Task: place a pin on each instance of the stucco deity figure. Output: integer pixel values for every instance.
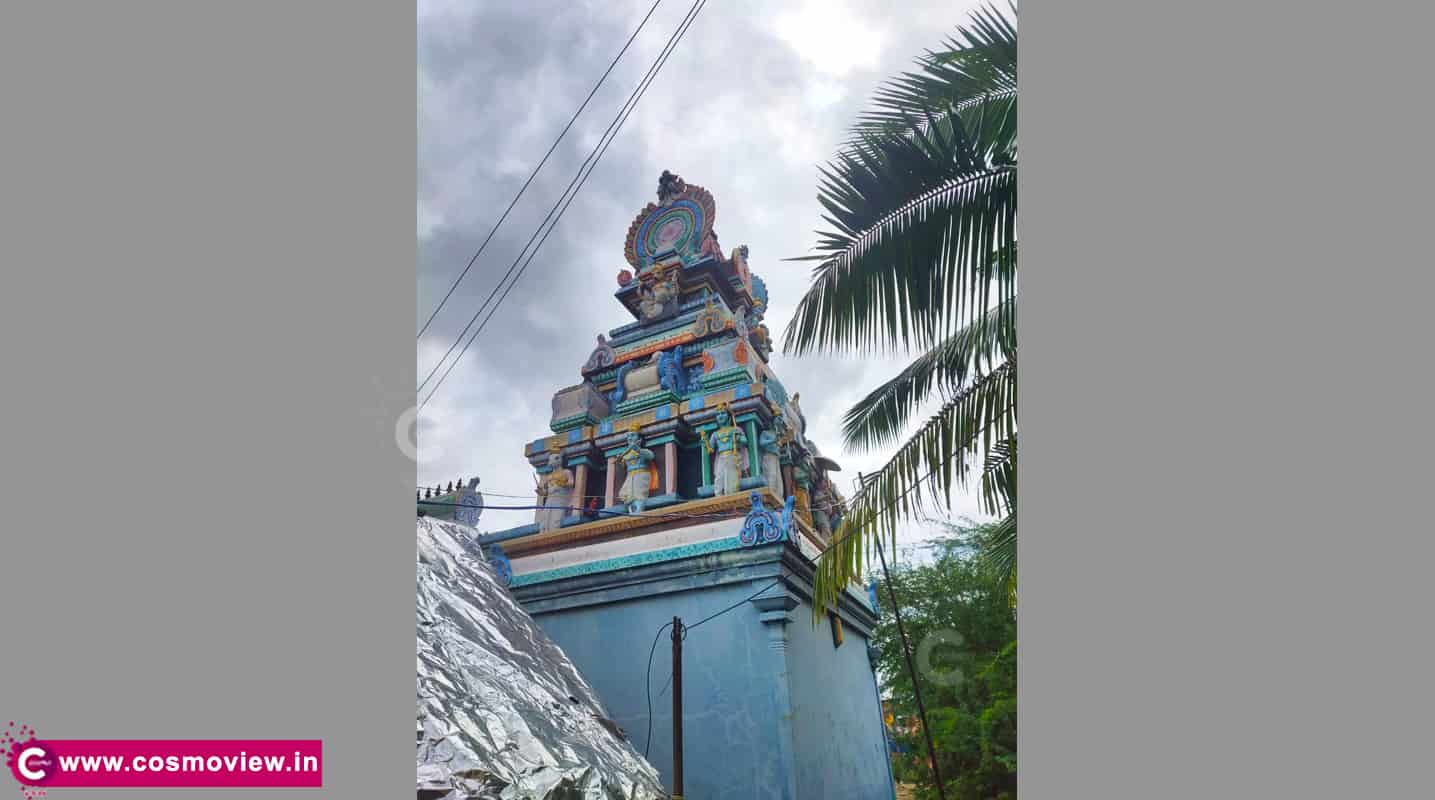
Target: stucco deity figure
(770, 444)
(602, 356)
(739, 263)
(726, 442)
(638, 484)
(802, 420)
(669, 187)
(821, 501)
(672, 375)
(656, 296)
(802, 490)
(555, 493)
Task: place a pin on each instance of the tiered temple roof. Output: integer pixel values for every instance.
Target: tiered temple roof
(694, 361)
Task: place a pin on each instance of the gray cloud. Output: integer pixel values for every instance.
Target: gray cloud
(752, 101)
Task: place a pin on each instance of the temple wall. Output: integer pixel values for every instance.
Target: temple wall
(836, 710)
(771, 708)
(729, 706)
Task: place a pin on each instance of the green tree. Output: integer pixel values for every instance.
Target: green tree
(963, 630)
(920, 258)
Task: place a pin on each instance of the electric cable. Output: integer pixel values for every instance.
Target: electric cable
(594, 158)
(534, 174)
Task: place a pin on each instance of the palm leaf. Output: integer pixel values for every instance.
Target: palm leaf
(919, 252)
(923, 230)
(925, 469)
(878, 418)
(998, 551)
(978, 65)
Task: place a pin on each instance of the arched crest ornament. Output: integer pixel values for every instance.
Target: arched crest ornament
(680, 222)
(470, 504)
(762, 526)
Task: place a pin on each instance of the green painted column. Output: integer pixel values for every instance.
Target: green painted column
(753, 456)
(706, 456)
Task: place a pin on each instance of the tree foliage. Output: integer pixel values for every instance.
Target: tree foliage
(967, 672)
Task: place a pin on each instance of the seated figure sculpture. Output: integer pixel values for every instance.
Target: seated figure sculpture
(555, 493)
(724, 442)
(637, 461)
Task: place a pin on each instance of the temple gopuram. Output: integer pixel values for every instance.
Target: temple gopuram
(677, 480)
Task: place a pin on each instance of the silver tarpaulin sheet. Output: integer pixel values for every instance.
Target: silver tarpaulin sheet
(502, 713)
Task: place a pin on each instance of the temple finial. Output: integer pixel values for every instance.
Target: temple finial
(669, 186)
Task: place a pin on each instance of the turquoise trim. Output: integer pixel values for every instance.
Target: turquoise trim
(645, 402)
(625, 562)
(569, 423)
(726, 378)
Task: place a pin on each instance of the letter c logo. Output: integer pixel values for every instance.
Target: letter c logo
(22, 763)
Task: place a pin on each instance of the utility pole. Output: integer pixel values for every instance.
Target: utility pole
(911, 670)
(678, 708)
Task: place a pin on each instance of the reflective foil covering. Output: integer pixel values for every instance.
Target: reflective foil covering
(502, 713)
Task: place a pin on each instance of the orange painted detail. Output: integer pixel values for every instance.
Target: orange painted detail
(707, 362)
(739, 353)
(666, 344)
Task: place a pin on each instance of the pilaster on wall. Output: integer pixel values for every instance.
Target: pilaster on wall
(775, 613)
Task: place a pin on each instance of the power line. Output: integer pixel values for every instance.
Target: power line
(534, 174)
(593, 157)
(579, 179)
(654, 649)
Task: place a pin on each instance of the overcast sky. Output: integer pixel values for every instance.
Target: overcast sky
(754, 99)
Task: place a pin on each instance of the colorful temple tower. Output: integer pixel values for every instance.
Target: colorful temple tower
(678, 481)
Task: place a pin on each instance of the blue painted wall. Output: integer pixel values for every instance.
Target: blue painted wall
(835, 713)
(770, 710)
(730, 741)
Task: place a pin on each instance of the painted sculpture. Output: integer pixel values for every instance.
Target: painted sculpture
(641, 476)
(822, 500)
(802, 476)
(620, 389)
(555, 493)
(671, 373)
(669, 187)
(602, 356)
(658, 296)
(770, 445)
(725, 443)
(762, 526)
(797, 409)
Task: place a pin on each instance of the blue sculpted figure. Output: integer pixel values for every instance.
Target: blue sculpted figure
(671, 374)
(619, 391)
